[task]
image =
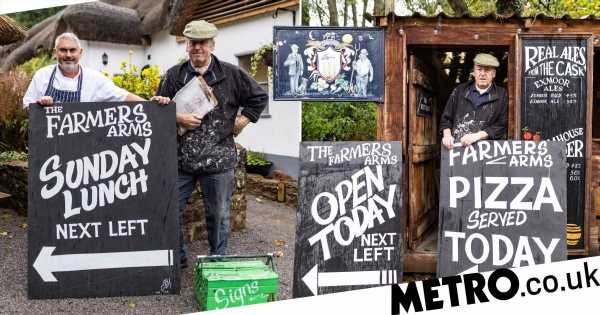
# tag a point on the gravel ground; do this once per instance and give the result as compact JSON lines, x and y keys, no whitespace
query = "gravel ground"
{"x":270,"y":227}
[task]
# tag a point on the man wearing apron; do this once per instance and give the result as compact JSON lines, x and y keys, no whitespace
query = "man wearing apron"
{"x":69,"y":82}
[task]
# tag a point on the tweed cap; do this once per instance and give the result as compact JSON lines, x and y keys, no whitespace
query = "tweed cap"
{"x":486,"y":60}
{"x":200,"y":30}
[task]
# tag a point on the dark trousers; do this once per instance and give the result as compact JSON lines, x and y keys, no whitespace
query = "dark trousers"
{"x":217,"y":190}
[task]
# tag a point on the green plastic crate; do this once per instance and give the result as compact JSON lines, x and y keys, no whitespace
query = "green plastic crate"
{"x":235,"y":281}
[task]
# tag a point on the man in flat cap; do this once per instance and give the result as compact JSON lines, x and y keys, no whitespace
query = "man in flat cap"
{"x":476,"y":110}
{"x":206,"y":152}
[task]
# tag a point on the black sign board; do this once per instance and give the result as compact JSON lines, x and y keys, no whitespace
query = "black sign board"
{"x":328,"y":63}
{"x":103,"y":217}
{"x":502,"y":205}
{"x":554,"y":97}
{"x":424,"y":102}
{"x":349,"y":232}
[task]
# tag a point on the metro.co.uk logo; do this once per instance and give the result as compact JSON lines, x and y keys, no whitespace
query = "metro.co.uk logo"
{"x":499,"y":285}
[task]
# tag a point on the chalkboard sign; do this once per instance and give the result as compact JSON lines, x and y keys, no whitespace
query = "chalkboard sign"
{"x":554,"y":93}
{"x":328,"y":63}
{"x":502,"y":205}
{"x":102,"y":217}
{"x":349,"y":232}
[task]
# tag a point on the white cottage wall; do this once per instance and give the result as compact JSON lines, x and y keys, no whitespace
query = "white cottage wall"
{"x":165,"y":52}
{"x":117,"y":53}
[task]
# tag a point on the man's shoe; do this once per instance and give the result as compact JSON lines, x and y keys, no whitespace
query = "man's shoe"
{"x":184,"y":263}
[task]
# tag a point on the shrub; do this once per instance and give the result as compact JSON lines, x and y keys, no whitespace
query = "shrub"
{"x":339,"y":121}
{"x":12,"y":156}
{"x":32,"y":65}
{"x":143,"y":84}
{"x":255,"y":158}
{"x":13,"y":118}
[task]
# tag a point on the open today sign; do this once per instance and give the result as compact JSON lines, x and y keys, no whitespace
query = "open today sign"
{"x":502,"y":204}
{"x":349,"y":231}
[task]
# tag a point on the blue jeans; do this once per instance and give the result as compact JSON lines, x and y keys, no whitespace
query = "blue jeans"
{"x":217,"y":190}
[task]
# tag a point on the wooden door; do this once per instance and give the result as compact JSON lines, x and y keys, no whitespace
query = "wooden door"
{"x":423,"y":151}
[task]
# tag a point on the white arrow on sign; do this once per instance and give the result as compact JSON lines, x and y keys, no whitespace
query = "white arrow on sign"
{"x":45,"y":263}
{"x":315,"y":279}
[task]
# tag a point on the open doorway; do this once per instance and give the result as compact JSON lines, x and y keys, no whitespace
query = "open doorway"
{"x":432,"y":75}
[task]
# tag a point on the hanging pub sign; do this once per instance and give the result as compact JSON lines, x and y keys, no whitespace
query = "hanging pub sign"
{"x":502,"y":205}
{"x":102,"y":213}
{"x":349,"y":231}
{"x":328,"y":63}
{"x":555,"y":106}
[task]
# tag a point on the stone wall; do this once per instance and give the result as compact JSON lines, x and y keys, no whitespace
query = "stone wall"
{"x":276,"y":189}
{"x":13,"y":181}
{"x":193,"y":215}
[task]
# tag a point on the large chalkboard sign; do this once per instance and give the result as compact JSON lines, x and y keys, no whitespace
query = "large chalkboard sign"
{"x":554,"y":106}
{"x":349,"y":232}
{"x":328,"y":63}
{"x":502,"y":204}
{"x":102,"y":213}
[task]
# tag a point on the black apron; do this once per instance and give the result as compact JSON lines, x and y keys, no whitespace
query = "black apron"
{"x":62,"y":96}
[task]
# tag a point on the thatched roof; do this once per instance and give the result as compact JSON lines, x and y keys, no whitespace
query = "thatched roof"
{"x":223,"y":11}
{"x":153,"y":14}
{"x":102,"y":22}
{"x":116,"y":21}
{"x":10,"y":32}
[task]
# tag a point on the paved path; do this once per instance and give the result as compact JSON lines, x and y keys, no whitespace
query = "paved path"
{"x":270,"y":227}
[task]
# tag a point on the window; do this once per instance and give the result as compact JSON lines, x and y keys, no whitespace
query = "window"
{"x":261,"y":75}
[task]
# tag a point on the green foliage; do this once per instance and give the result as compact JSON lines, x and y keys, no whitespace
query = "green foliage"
{"x":34,"y":64}
{"x":30,"y":18}
{"x":339,"y":121}
{"x":255,"y":158}
{"x":12,"y":156}
{"x":265,"y":52}
{"x":143,"y":84}
{"x":558,"y":8}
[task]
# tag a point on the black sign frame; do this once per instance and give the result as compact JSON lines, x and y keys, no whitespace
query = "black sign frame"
{"x":520,"y":99}
{"x":488,"y":201}
{"x":329,"y":259}
{"x":119,"y":237}
{"x":375,"y":55}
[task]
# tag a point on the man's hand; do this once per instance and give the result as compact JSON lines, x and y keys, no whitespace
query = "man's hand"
{"x":448,"y":142}
{"x":189,"y":121}
{"x":45,"y":101}
{"x":240,"y":122}
{"x":471,"y":138}
{"x":162,"y":100}
{"x":448,"y":139}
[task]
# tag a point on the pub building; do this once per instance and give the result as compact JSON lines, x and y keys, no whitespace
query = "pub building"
{"x":546,"y":63}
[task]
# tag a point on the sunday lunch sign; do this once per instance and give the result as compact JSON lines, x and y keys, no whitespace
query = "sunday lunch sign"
{"x":502,"y":205}
{"x":102,"y":200}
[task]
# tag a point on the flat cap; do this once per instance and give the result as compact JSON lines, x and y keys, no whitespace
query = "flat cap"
{"x":486,"y":60}
{"x":200,"y":30}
